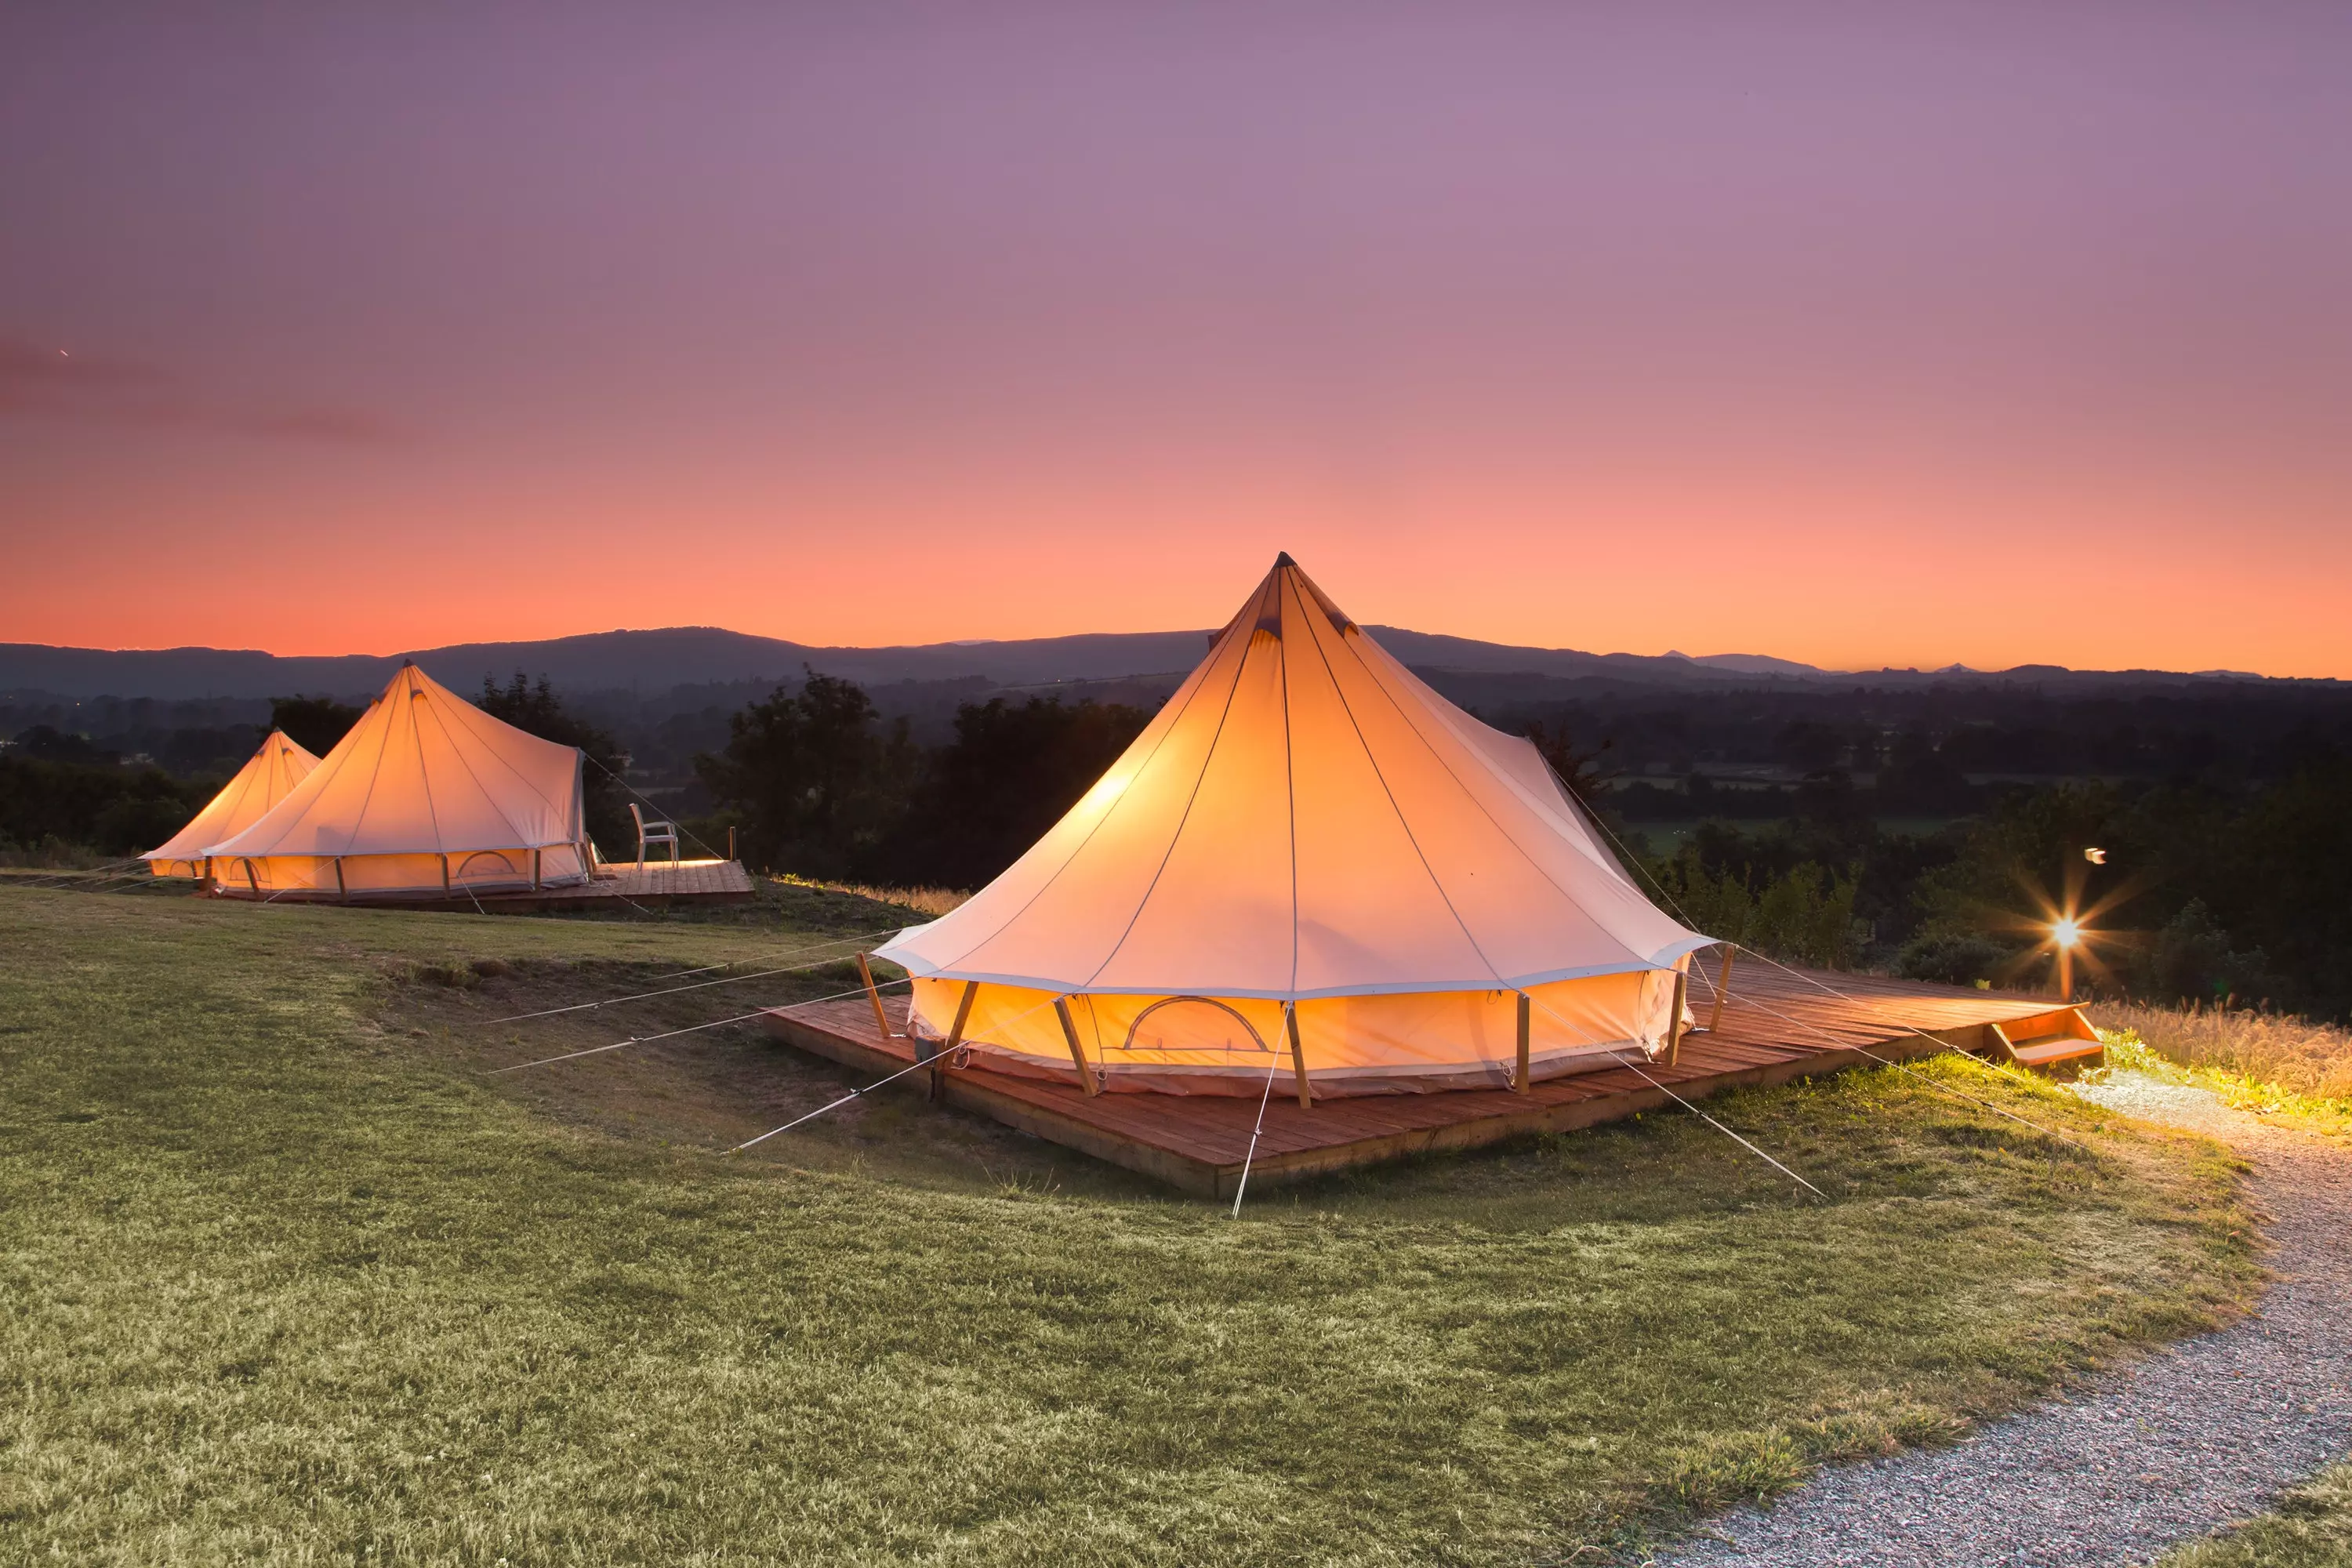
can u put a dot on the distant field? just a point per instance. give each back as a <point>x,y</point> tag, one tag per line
<point>283,1277</point>
<point>1666,835</point>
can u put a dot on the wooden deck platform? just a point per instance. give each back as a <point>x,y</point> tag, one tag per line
<point>659,884</point>
<point>1776,1027</point>
<point>614,887</point>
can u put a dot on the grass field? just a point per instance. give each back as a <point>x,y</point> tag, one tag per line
<point>2311,1528</point>
<point>286,1276</point>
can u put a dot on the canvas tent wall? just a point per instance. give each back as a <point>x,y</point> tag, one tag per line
<point>267,778</point>
<point>428,795</point>
<point>1306,835</point>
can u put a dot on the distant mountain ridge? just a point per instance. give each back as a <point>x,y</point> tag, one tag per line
<point>655,661</point>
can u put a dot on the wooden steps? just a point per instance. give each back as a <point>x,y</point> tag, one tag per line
<point>2063,1037</point>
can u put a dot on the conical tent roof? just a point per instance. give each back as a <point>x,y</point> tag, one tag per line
<point>1305,818</point>
<point>423,771</point>
<point>267,778</point>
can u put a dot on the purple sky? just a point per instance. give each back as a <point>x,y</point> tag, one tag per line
<point>1857,334</point>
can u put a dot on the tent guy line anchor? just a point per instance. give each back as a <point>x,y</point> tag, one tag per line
<point>1289,1010</point>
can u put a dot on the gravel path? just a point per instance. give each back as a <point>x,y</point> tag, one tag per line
<point>2190,1438</point>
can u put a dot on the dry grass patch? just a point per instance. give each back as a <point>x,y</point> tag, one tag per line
<point>932,901</point>
<point>2266,1062</point>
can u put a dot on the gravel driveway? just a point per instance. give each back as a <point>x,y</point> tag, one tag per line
<point>2194,1436</point>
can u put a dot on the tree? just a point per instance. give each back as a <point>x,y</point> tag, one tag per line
<point>101,806</point>
<point>813,777</point>
<point>313,723</point>
<point>1578,769</point>
<point>537,710</point>
<point>1802,915</point>
<point>47,743</point>
<point>1011,771</point>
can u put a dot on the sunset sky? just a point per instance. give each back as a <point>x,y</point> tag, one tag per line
<point>1862,335</point>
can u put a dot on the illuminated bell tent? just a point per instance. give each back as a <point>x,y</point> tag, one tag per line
<point>267,778</point>
<point>1310,866</point>
<point>427,796</point>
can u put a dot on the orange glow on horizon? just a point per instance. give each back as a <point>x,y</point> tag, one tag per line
<point>1843,589</point>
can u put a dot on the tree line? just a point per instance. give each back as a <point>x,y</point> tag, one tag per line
<point>2195,892</point>
<point>2213,885</point>
<point>815,783</point>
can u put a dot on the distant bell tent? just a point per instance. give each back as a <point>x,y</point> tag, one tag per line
<point>1310,866</point>
<point>426,796</point>
<point>267,778</point>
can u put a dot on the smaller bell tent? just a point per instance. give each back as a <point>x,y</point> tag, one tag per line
<point>267,778</point>
<point>427,796</point>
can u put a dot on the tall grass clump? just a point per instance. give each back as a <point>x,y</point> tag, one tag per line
<point>932,901</point>
<point>2294,1053</point>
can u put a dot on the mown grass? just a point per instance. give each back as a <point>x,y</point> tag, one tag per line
<point>283,1277</point>
<point>2310,1528</point>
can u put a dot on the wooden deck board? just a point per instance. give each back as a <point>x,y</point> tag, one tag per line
<point>691,881</point>
<point>1776,1026</point>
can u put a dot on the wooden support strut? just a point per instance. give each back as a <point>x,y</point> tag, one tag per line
<point>1298,1057</point>
<point>1077,1055</point>
<point>1675,1018</point>
<point>1522,1079</point>
<point>923,1049</point>
<point>881,1021</point>
<point>1722,989</point>
<point>342,894</point>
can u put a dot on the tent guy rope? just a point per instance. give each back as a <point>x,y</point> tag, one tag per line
<point>690,1029</point>
<point>702,984</point>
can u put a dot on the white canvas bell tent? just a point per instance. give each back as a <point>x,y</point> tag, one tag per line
<point>426,796</point>
<point>1308,861</point>
<point>267,778</point>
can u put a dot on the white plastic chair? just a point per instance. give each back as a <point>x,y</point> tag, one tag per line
<point>653,833</point>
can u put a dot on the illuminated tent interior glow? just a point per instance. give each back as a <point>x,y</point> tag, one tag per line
<point>1307,822</point>
<point>267,778</point>
<point>428,795</point>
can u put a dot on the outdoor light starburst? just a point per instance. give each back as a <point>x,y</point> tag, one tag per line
<point>2063,930</point>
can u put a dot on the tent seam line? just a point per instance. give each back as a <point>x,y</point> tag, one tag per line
<point>1207,759</point>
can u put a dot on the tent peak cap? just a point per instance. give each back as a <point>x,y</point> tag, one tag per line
<point>1282,559</point>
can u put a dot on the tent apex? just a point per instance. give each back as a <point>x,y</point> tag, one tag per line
<point>1282,559</point>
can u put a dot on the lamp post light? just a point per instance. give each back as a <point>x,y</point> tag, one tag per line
<point>2066,934</point>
